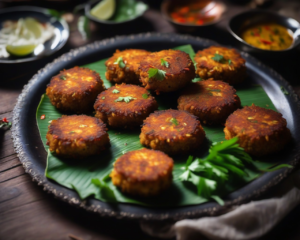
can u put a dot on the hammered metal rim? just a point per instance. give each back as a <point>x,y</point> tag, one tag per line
<point>97,208</point>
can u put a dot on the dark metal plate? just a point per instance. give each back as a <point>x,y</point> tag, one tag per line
<point>32,154</point>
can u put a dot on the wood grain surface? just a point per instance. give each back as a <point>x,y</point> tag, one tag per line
<point>27,212</point>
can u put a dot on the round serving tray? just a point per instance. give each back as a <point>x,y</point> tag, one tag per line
<point>32,154</point>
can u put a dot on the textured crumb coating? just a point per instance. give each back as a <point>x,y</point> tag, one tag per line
<point>75,90</point>
<point>77,136</point>
<point>128,74</point>
<point>122,114</point>
<point>231,69</point>
<point>260,131</point>
<point>143,172</point>
<point>172,131</point>
<point>179,73</point>
<point>211,101</point>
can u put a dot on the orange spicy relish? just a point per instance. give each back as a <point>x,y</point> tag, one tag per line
<point>195,12</point>
<point>268,36</point>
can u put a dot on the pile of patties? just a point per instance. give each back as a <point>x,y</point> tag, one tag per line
<point>129,104</point>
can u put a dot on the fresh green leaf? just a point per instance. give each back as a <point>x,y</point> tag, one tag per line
<point>278,167</point>
<point>120,62</point>
<point>156,73</point>
<point>197,79</point>
<point>174,121</point>
<point>164,63</point>
<point>125,99</point>
<point>284,90</point>
<point>205,186</point>
<point>217,199</point>
<point>83,26</point>
<point>115,91</point>
<point>229,61</point>
<point>105,190</point>
<point>218,58</point>
<point>145,96</point>
<point>55,13</point>
<point>62,77</point>
<point>103,98</point>
<point>184,176</point>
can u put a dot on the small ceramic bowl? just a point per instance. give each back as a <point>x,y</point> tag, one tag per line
<point>240,22</point>
<point>168,5</point>
<point>108,23</point>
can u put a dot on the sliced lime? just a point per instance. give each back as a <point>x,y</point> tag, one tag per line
<point>33,26</point>
<point>20,50</point>
<point>104,10</point>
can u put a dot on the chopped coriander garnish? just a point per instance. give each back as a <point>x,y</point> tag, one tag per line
<point>197,79</point>
<point>276,31</point>
<point>253,121</point>
<point>174,121</point>
<point>281,40</point>
<point>229,61</point>
<point>120,62</point>
<point>217,57</point>
<point>125,99</point>
<point>164,63</point>
<point>156,73</point>
<point>284,90</point>
<point>103,98</point>
<point>145,95</point>
<point>213,90</point>
<point>72,132</point>
<point>62,77</point>
<point>115,91</point>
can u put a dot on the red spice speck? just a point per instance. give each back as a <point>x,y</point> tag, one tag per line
<point>5,120</point>
<point>265,41</point>
<point>43,116</point>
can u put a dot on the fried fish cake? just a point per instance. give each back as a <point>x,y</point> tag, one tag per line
<point>220,63</point>
<point>77,136</point>
<point>211,101</point>
<point>75,90</point>
<point>123,66</point>
<point>169,70</point>
<point>260,131</point>
<point>172,131</point>
<point>124,106</point>
<point>143,172</point>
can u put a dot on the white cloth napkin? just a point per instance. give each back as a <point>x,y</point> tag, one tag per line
<point>248,221</point>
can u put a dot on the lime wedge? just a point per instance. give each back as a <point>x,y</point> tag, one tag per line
<point>20,50</point>
<point>104,10</point>
<point>33,26</point>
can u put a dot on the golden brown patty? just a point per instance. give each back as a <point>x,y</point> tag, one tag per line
<point>75,89</point>
<point>124,106</point>
<point>77,136</point>
<point>143,172</point>
<point>178,73</point>
<point>260,131</point>
<point>211,101</point>
<point>172,131</point>
<point>129,73</point>
<point>230,69</point>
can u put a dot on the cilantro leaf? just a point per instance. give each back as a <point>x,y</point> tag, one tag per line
<point>285,92</point>
<point>105,190</point>
<point>115,91</point>
<point>164,63</point>
<point>120,62</point>
<point>218,58</point>
<point>125,99</point>
<point>156,73</point>
<point>145,96</point>
<point>103,98</point>
<point>62,77</point>
<point>197,79</point>
<point>174,121</point>
<point>229,62</point>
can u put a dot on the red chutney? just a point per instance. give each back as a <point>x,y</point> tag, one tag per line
<point>196,12</point>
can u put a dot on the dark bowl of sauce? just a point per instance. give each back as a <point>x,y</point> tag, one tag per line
<point>267,32</point>
<point>191,15</point>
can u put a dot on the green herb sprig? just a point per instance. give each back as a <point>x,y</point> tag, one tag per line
<point>218,58</point>
<point>225,160</point>
<point>115,91</point>
<point>125,99</point>
<point>174,121</point>
<point>62,77</point>
<point>164,63</point>
<point>120,62</point>
<point>156,73</point>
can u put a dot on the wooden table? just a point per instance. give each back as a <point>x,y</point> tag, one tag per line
<point>27,212</point>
